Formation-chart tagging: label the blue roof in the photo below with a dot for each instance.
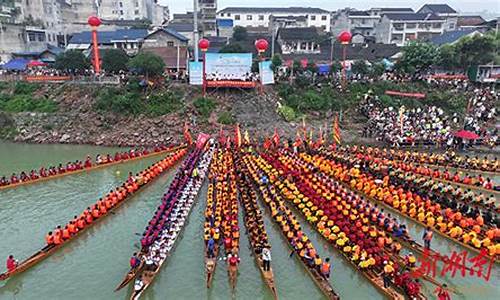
(450, 37)
(106, 37)
(225, 22)
(16, 64)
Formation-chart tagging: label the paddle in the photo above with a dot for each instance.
(291, 253)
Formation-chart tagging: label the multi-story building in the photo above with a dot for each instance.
(400, 28)
(31, 25)
(444, 11)
(133, 10)
(362, 22)
(208, 16)
(259, 17)
(278, 22)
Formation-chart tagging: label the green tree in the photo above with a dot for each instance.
(448, 58)
(147, 64)
(360, 67)
(71, 60)
(336, 67)
(240, 33)
(417, 57)
(377, 69)
(311, 67)
(475, 50)
(114, 60)
(232, 48)
(276, 62)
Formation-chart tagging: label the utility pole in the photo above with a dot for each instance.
(195, 29)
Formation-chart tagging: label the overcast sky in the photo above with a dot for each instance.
(491, 6)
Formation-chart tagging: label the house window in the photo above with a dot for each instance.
(121, 12)
(323, 18)
(436, 25)
(249, 17)
(236, 17)
(451, 26)
(136, 12)
(261, 18)
(411, 25)
(41, 37)
(136, 3)
(313, 18)
(121, 4)
(170, 43)
(228, 14)
(222, 14)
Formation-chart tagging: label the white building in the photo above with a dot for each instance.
(362, 21)
(259, 17)
(208, 16)
(400, 28)
(133, 10)
(444, 11)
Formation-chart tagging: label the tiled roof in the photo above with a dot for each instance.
(413, 17)
(249, 10)
(389, 9)
(371, 52)
(181, 27)
(451, 37)
(106, 37)
(358, 13)
(301, 33)
(171, 32)
(439, 8)
(470, 20)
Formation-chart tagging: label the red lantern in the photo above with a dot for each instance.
(261, 45)
(94, 21)
(204, 44)
(345, 37)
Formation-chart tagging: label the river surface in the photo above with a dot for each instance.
(90, 266)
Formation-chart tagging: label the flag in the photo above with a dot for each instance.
(336, 131)
(401, 115)
(267, 143)
(237, 136)
(222, 138)
(298, 140)
(319, 142)
(304, 129)
(276, 138)
(187, 134)
(246, 138)
(310, 138)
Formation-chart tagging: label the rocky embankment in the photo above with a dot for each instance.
(78, 122)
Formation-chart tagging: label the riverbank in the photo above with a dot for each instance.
(134, 116)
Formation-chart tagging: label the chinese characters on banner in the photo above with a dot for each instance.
(457, 263)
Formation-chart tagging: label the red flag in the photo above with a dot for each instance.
(237, 136)
(187, 134)
(319, 142)
(298, 140)
(267, 143)
(336, 131)
(222, 138)
(276, 138)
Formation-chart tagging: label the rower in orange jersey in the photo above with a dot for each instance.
(49, 238)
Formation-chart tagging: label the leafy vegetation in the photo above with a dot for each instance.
(71, 60)
(240, 33)
(114, 60)
(417, 57)
(204, 106)
(22, 100)
(232, 48)
(130, 102)
(147, 64)
(287, 112)
(226, 118)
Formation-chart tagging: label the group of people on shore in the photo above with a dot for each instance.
(77, 165)
(430, 124)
